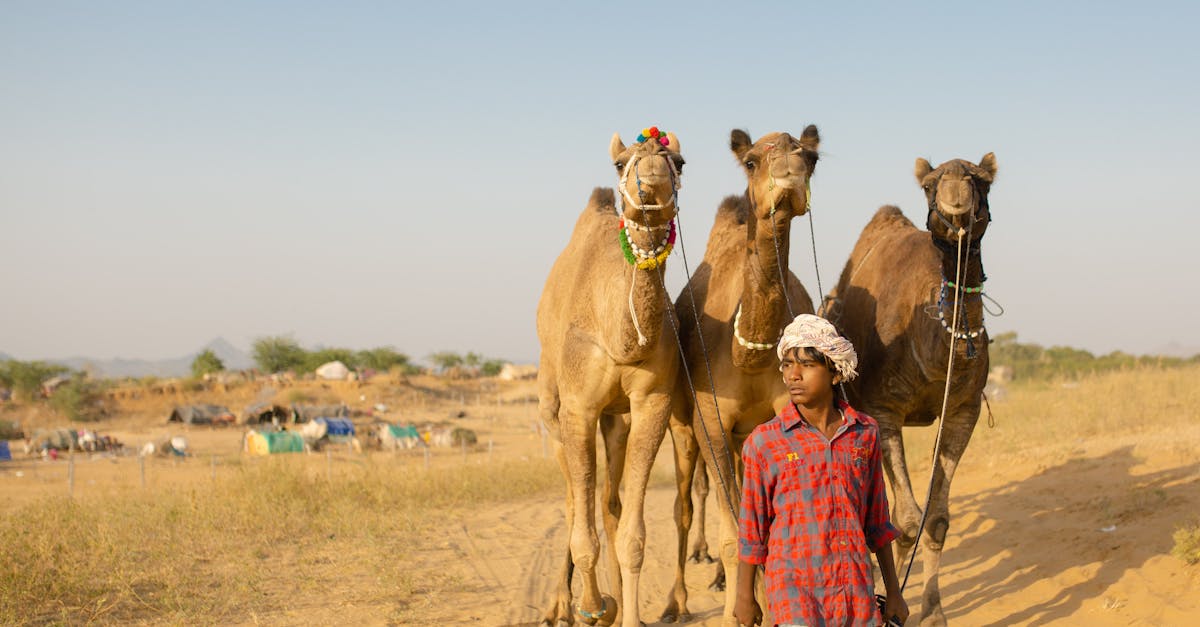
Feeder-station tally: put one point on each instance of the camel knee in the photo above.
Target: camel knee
(631, 548)
(937, 533)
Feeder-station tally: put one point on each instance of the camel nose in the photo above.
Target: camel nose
(787, 170)
(955, 198)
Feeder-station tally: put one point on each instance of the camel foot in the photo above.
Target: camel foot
(559, 613)
(934, 618)
(701, 555)
(675, 613)
(603, 617)
(718, 582)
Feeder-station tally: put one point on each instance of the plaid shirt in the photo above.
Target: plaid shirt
(812, 511)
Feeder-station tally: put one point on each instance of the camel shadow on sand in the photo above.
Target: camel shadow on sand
(1077, 514)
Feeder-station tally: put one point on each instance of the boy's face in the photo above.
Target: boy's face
(809, 381)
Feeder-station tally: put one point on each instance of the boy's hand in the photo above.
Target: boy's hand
(895, 607)
(748, 613)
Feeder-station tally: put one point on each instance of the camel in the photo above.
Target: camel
(738, 290)
(609, 359)
(895, 302)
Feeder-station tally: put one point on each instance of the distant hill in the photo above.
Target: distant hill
(230, 355)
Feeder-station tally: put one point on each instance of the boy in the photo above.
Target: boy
(813, 501)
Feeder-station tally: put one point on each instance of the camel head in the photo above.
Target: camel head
(649, 172)
(778, 168)
(957, 193)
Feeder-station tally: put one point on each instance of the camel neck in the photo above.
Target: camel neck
(972, 262)
(762, 302)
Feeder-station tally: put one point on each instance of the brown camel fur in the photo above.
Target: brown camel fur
(596, 371)
(744, 264)
(887, 303)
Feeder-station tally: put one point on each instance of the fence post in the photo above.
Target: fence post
(329, 465)
(427, 457)
(71, 474)
(214, 467)
(142, 465)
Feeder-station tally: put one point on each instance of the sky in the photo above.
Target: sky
(364, 174)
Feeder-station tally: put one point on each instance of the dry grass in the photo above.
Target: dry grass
(262, 538)
(1045, 419)
(212, 554)
(1187, 543)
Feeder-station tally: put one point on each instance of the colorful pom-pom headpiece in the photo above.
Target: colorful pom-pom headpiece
(653, 134)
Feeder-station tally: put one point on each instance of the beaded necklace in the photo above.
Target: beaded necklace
(641, 258)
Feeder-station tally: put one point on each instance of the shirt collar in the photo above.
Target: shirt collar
(790, 417)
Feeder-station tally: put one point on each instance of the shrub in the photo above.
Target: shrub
(277, 354)
(206, 362)
(25, 377)
(79, 400)
(1187, 543)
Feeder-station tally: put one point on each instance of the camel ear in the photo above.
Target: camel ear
(988, 165)
(922, 170)
(616, 147)
(740, 143)
(810, 139)
(672, 142)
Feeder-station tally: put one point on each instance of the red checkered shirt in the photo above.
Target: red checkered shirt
(813, 510)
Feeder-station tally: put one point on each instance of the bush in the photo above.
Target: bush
(206, 362)
(380, 359)
(277, 354)
(79, 400)
(1187, 543)
(25, 377)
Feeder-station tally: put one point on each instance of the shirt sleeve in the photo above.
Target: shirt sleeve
(877, 524)
(754, 523)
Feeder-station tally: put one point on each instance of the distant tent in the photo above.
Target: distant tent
(305, 413)
(268, 413)
(399, 432)
(200, 414)
(269, 443)
(5, 454)
(337, 427)
(333, 371)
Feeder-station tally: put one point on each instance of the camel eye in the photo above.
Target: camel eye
(749, 163)
(620, 166)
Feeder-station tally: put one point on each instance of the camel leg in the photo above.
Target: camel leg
(700, 544)
(955, 436)
(650, 417)
(728, 484)
(615, 430)
(578, 429)
(686, 452)
(559, 611)
(906, 514)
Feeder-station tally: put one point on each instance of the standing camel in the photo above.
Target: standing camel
(895, 302)
(739, 291)
(606, 361)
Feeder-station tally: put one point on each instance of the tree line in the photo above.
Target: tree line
(1032, 360)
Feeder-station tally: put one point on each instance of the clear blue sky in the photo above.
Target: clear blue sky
(365, 174)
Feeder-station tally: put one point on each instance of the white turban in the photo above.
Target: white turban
(809, 330)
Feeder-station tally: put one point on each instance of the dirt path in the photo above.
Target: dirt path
(1083, 540)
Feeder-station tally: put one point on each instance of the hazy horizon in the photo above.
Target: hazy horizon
(366, 175)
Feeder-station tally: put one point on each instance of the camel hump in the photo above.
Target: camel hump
(890, 215)
(733, 208)
(603, 200)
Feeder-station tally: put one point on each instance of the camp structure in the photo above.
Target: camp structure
(271, 442)
(332, 371)
(5, 454)
(201, 415)
(390, 437)
(326, 430)
(266, 413)
(307, 413)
